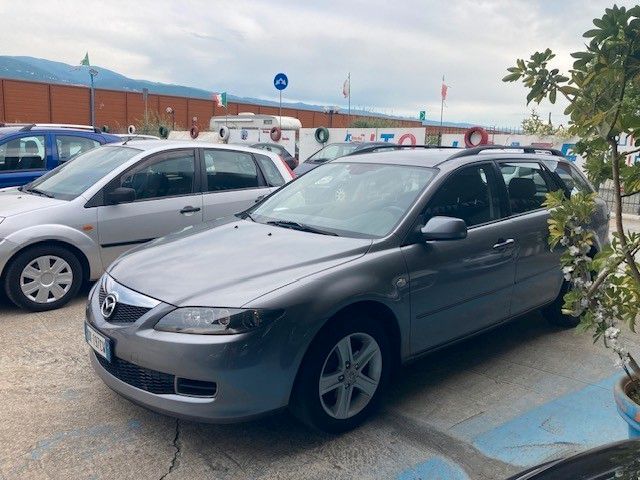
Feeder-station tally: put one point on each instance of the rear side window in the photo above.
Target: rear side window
(69, 146)
(25, 153)
(271, 172)
(526, 185)
(570, 177)
(470, 194)
(230, 170)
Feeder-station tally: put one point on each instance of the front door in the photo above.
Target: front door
(168, 199)
(462, 286)
(232, 182)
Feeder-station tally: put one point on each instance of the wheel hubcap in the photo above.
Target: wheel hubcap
(46, 279)
(350, 375)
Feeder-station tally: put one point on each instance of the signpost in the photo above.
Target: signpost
(280, 81)
(423, 115)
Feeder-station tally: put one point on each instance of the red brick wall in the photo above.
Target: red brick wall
(40, 102)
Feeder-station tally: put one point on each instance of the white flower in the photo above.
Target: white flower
(577, 230)
(612, 332)
(567, 269)
(564, 241)
(573, 250)
(584, 303)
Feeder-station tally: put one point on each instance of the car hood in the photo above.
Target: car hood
(229, 262)
(15, 202)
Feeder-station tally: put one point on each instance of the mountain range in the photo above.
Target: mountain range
(49, 71)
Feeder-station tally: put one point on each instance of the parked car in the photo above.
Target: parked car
(336, 150)
(70, 224)
(311, 297)
(27, 151)
(290, 160)
(620, 460)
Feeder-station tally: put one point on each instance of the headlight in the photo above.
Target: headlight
(216, 321)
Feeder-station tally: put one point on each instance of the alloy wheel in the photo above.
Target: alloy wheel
(350, 375)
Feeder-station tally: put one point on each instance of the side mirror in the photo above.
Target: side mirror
(120, 195)
(444, 228)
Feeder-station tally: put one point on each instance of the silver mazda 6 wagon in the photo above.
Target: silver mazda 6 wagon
(311, 297)
(70, 224)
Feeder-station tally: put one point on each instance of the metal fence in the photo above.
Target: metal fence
(630, 204)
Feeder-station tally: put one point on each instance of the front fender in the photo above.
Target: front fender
(25, 237)
(310, 302)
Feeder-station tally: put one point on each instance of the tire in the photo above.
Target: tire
(553, 312)
(68, 280)
(322, 412)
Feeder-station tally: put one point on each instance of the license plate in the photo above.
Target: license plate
(100, 344)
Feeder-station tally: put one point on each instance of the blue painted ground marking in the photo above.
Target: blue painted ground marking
(577, 421)
(434, 469)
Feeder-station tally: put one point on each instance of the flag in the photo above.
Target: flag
(85, 60)
(443, 90)
(220, 99)
(346, 87)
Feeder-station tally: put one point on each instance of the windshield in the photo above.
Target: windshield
(350, 199)
(332, 151)
(73, 177)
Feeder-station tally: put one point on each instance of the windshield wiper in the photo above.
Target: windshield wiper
(244, 215)
(39, 192)
(300, 226)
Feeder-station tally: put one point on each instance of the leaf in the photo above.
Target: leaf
(512, 77)
(552, 96)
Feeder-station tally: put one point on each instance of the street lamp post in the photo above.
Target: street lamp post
(92, 73)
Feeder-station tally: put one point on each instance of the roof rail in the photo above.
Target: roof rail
(468, 152)
(89, 128)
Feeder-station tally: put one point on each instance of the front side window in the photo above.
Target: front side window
(350, 199)
(75, 176)
(69, 146)
(25, 153)
(470, 194)
(230, 170)
(526, 185)
(169, 174)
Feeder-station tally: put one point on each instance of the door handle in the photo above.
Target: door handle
(502, 243)
(189, 209)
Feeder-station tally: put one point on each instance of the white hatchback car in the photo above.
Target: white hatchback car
(70, 224)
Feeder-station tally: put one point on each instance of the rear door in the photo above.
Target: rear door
(232, 182)
(168, 199)
(538, 277)
(24, 158)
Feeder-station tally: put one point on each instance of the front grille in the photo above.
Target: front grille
(123, 313)
(146, 379)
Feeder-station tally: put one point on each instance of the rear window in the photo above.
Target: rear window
(570, 176)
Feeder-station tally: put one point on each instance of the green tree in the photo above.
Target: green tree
(601, 89)
(535, 126)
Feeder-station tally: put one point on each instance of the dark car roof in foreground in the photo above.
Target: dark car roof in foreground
(442, 157)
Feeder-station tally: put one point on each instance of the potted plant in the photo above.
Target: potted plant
(603, 95)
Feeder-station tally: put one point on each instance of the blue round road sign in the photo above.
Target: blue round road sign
(280, 81)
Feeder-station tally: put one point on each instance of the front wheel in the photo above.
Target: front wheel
(343, 375)
(43, 278)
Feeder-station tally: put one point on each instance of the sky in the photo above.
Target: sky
(396, 52)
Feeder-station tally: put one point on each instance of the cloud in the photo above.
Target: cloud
(396, 52)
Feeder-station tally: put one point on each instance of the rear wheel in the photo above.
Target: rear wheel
(343, 375)
(43, 278)
(553, 312)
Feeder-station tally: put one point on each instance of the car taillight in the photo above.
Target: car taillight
(293, 175)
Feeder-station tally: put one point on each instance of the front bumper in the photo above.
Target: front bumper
(251, 374)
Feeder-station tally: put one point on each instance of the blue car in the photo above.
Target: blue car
(28, 151)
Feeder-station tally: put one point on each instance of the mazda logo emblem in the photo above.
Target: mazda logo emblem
(108, 305)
